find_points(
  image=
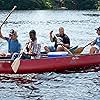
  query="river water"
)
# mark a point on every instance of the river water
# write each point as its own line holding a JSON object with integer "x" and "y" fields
{"x": 80, "y": 27}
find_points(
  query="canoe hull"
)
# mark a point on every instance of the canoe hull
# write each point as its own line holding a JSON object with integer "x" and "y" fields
{"x": 50, "y": 64}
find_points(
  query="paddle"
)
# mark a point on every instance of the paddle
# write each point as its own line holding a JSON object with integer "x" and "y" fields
{"x": 16, "y": 63}
{"x": 63, "y": 46}
{"x": 79, "y": 50}
{"x": 8, "y": 15}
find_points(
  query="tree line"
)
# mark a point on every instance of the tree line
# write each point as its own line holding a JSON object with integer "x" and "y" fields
{"x": 50, "y": 4}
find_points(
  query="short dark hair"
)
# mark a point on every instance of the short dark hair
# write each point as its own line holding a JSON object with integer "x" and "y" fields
{"x": 33, "y": 31}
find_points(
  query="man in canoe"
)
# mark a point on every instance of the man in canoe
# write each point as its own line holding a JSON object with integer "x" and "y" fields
{"x": 13, "y": 44}
{"x": 61, "y": 40}
{"x": 33, "y": 47}
{"x": 96, "y": 43}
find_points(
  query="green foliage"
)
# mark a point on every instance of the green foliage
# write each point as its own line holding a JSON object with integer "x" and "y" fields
{"x": 22, "y": 4}
{"x": 98, "y": 4}
{"x": 81, "y": 4}
{"x": 50, "y": 4}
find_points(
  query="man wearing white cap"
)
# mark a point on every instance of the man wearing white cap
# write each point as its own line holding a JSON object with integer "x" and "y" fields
{"x": 13, "y": 44}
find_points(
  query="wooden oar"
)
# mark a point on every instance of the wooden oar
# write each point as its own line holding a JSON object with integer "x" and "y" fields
{"x": 8, "y": 15}
{"x": 64, "y": 46}
{"x": 79, "y": 50}
{"x": 67, "y": 49}
{"x": 16, "y": 63}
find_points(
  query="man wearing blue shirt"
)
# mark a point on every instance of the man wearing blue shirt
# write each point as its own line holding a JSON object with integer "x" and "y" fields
{"x": 13, "y": 44}
{"x": 96, "y": 43}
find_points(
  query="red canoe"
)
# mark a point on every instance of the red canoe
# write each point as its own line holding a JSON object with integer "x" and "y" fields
{"x": 50, "y": 64}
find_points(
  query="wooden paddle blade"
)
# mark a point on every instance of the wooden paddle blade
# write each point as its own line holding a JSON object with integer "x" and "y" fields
{"x": 79, "y": 50}
{"x": 72, "y": 49}
{"x": 15, "y": 65}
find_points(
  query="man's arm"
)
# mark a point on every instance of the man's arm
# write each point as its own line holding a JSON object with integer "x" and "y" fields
{"x": 51, "y": 38}
{"x": 93, "y": 42}
{"x": 1, "y": 34}
{"x": 66, "y": 45}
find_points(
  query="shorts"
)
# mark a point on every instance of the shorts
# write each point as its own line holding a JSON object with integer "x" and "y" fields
{"x": 52, "y": 48}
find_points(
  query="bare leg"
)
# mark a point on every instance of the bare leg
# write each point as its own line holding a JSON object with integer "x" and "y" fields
{"x": 93, "y": 50}
{"x": 60, "y": 48}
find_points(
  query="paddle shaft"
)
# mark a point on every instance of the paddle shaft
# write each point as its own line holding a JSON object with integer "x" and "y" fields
{"x": 8, "y": 15}
{"x": 66, "y": 49}
{"x": 87, "y": 44}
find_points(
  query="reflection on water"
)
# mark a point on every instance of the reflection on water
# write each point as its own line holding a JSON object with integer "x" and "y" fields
{"x": 79, "y": 85}
{"x": 80, "y": 27}
{"x": 21, "y": 86}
